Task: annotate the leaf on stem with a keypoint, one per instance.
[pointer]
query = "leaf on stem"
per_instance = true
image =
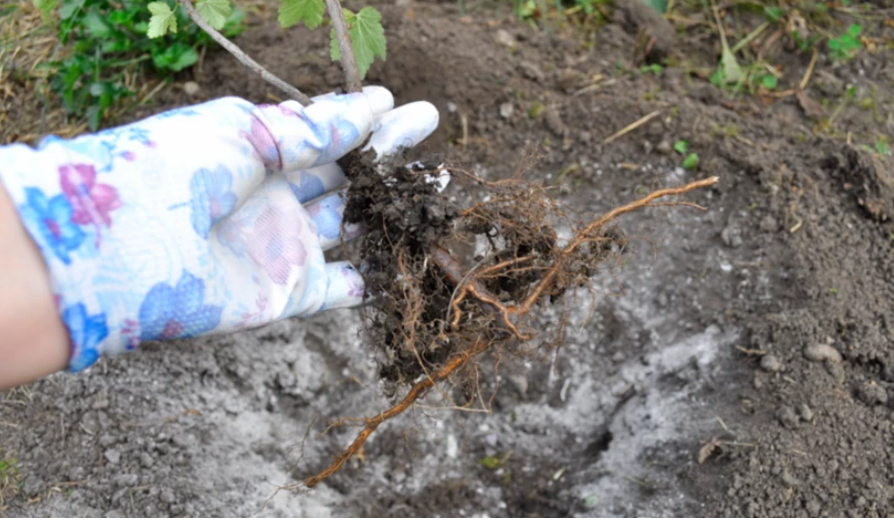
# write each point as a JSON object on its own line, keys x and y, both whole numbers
{"x": 367, "y": 38}
{"x": 308, "y": 11}
{"x": 215, "y": 12}
{"x": 162, "y": 21}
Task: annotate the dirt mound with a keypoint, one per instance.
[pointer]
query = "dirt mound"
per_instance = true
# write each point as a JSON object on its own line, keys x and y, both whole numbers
{"x": 794, "y": 252}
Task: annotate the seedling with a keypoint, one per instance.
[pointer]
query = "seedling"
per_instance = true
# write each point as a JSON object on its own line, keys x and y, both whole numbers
{"x": 846, "y": 46}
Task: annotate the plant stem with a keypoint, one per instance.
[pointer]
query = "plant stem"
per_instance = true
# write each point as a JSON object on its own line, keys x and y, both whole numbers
{"x": 246, "y": 60}
{"x": 345, "y": 47}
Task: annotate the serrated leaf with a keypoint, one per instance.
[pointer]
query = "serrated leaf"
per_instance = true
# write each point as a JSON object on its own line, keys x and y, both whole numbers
{"x": 215, "y": 12}
{"x": 162, "y": 21}
{"x": 367, "y": 38}
{"x": 308, "y": 11}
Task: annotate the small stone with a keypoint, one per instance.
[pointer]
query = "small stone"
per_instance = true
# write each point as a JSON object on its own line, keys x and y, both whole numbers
{"x": 107, "y": 440}
{"x": 585, "y": 137}
{"x": 113, "y": 456}
{"x": 821, "y": 352}
{"x": 872, "y": 394}
{"x": 806, "y": 413}
{"x": 506, "y": 110}
{"x": 771, "y": 363}
{"x": 769, "y": 224}
{"x": 554, "y": 122}
{"x": 664, "y": 147}
{"x": 505, "y": 39}
{"x": 813, "y": 507}
{"x": 531, "y": 71}
{"x": 126, "y": 480}
{"x": 167, "y": 496}
{"x": 731, "y": 236}
{"x": 521, "y": 383}
{"x": 146, "y": 460}
{"x": 835, "y": 370}
{"x": 32, "y": 486}
{"x": 788, "y": 479}
{"x": 787, "y": 417}
{"x": 655, "y": 129}
{"x": 191, "y": 88}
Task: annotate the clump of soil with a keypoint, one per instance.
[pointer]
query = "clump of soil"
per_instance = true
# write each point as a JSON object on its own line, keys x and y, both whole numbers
{"x": 427, "y": 307}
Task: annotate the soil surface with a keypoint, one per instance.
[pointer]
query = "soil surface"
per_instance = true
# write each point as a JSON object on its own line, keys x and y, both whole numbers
{"x": 739, "y": 362}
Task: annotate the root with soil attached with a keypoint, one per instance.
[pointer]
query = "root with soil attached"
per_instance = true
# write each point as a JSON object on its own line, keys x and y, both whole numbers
{"x": 432, "y": 315}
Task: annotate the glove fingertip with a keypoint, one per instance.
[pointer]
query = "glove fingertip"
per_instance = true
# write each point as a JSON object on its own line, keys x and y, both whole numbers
{"x": 380, "y": 99}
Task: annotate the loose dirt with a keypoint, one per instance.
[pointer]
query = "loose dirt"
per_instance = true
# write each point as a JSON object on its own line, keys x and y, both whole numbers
{"x": 755, "y": 336}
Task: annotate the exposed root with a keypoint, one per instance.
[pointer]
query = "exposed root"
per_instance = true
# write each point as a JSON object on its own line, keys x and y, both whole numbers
{"x": 431, "y": 317}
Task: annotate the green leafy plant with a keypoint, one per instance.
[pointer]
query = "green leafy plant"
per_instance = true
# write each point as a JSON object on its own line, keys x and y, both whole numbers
{"x": 110, "y": 40}
{"x": 364, "y": 27}
{"x": 690, "y": 162}
{"x": 845, "y": 47}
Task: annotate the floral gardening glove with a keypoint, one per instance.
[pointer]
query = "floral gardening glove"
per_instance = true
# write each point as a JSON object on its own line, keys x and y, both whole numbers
{"x": 200, "y": 220}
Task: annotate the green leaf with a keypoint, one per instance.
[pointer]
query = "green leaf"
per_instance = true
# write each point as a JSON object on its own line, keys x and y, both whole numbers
{"x": 69, "y": 8}
{"x": 690, "y": 162}
{"x": 308, "y": 11}
{"x": 854, "y": 30}
{"x": 732, "y": 72}
{"x": 162, "y": 21}
{"x": 215, "y": 12}
{"x": 681, "y": 146}
{"x": 96, "y": 26}
{"x": 769, "y": 82}
{"x": 367, "y": 38}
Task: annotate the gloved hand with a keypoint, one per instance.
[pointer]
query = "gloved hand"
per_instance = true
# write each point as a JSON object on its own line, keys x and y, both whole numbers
{"x": 200, "y": 220}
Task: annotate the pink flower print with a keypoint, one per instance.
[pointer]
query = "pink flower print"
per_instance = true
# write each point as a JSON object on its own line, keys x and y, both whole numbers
{"x": 276, "y": 244}
{"x": 92, "y": 203}
{"x": 264, "y": 144}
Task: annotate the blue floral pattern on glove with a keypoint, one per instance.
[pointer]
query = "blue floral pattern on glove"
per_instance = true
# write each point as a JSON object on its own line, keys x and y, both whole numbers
{"x": 212, "y": 198}
{"x": 86, "y": 333}
{"x": 308, "y": 188}
{"x": 177, "y": 312}
{"x": 53, "y": 218}
{"x": 187, "y": 223}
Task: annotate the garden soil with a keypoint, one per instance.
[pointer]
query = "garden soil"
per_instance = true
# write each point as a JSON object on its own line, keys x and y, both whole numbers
{"x": 740, "y": 361}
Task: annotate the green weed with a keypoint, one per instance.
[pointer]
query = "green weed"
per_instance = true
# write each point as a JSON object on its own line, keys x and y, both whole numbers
{"x": 845, "y": 47}
{"x": 109, "y": 43}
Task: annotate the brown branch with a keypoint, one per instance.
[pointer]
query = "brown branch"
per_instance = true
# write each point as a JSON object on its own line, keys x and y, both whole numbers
{"x": 243, "y": 58}
{"x": 345, "y": 47}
